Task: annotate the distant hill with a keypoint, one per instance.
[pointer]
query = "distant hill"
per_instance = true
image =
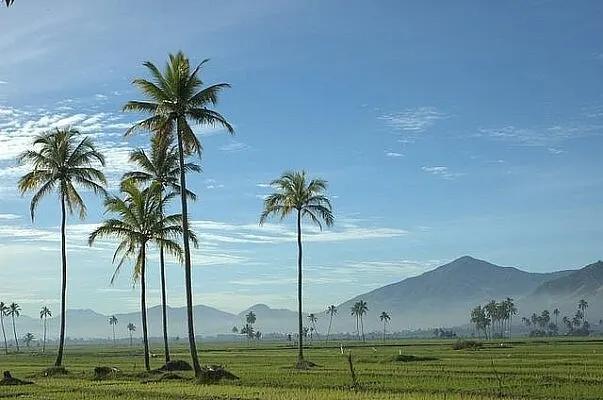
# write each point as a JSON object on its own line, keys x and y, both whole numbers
{"x": 443, "y": 296}
{"x": 565, "y": 292}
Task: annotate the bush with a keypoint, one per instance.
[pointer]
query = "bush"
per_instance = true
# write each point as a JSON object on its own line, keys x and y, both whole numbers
{"x": 467, "y": 345}
{"x": 411, "y": 358}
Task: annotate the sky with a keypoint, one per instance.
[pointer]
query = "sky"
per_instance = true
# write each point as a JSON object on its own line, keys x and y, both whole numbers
{"x": 443, "y": 128}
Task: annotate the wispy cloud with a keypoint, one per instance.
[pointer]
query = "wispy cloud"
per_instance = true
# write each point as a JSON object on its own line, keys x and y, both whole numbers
{"x": 442, "y": 171}
{"x": 234, "y": 146}
{"x": 393, "y": 154}
{"x": 410, "y": 123}
{"x": 9, "y": 217}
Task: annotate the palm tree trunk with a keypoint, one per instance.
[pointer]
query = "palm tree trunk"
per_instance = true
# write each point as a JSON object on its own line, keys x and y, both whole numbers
{"x": 113, "y": 335}
{"x": 329, "y": 330}
{"x": 300, "y": 355}
{"x": 357, "y": 327}
{"x": 143, "y": 308}
{"x": 187, "y": 255}
{"x": 59, "y": 359}
{"x": 384, "y": 331}
{"x": 15, "y": 333}
{"x": 130, "y": 338}
{"x": 44, "y": 341}
{"x": 362, "y": 327}
{"x": 4, "y": 334}
{"x": 166, "y": 348}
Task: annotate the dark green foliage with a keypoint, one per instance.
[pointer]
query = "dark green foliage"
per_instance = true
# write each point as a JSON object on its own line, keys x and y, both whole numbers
{"x": 467, "y": 345}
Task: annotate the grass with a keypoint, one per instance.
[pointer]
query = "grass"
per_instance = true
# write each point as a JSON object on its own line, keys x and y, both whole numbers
{"x": 556, "y": 369}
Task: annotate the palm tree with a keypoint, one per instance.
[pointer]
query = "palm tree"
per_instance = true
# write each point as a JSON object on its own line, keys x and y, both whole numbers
{"x": 174, "y": 98}
{"x": 248, "y": 331}
{"x": 44, "y": 314}
{"x": 361, "y": 310}
{"x": 556, "y": 312}
{"x": 582, "y": 306}
{"x": 9, "y": 2}
{"x": 313, "y": 319}
{"x": 3, "y": 313}
{"x": 162, "y": 168}
{"x": 131, "y": 329}
{"x": 28, "y": 338}
{"x": 250, "y": 318}
{"x": 113, "y": 321}
{"x": 355, "y": 312}
{"x": 139, "y": 223}
{"x": 385, "y": 318}
{"x": 61, "y": 161}
{"x": 294, "y": 193}
{"x": 14, "y": 310}
{"x": 331, "y": 311}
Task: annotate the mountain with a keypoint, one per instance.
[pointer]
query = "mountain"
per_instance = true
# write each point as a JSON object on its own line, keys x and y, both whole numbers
{"x": 444, "y": 296}
{"x": 565, "y": 292}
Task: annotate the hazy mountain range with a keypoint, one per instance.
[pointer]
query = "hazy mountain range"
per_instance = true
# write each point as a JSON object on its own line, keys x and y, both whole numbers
{"x": 441, "y": 297}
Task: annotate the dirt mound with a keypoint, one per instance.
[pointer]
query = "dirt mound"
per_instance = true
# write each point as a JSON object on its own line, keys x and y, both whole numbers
{"x": 215, "y": 373}
{"x": 168, "y": 376}
{"x": 106, "y": 372}
{"x": 305, "y": 364}
{"x": 176, "y": 365}
{"x": 8, "y": 380}
{"x": 54, "y": 371}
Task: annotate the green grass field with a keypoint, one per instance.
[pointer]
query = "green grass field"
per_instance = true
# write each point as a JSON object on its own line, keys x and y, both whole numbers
{"x": 556, "y": 369}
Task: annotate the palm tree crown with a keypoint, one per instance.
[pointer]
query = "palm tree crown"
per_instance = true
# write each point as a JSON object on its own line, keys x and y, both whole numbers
{"x": 45, "y": 312}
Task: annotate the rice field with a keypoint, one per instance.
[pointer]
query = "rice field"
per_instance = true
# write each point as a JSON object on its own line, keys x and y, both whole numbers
{"x": 550, "y": 369}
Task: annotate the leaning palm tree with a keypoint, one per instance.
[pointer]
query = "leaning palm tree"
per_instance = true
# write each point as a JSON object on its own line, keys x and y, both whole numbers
{"x": 113, "y": 322}
{"x": 44, "y": 314}
{"x": 14, "y": 310}
{"x": 161, "y": 167}
{"x": 131, "y": 329}
{"x": 306, "y": 199}
{"x": 62, "y": 161}
{"x": 138, "y": 224}
{"x": 331, "y": 311}
{"x": 385, "y": 318}
{"x": 174, "y": 98}
{"x": 4, "y": 313}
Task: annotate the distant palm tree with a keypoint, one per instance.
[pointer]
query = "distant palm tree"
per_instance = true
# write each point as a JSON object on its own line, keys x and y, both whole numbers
{"x": 62, "y": 161}
{"x": 582, "y": 306}
{"x": 113, "y": 321}
{"x": 3, "y": 313}
{"x": 331, "y": 311}
{"x": 250, "y": 318}
{"x": 131, "y": 329}
{"x": 14, "y": 310}
{"x": 139, "y": 223}
{"x": 28, "y": 338}
{"x": 556, "y": 313}
{"x": 355, "y": 312}
{"x": 313, "y": 319}
{"x": 235, "y": 330}
{"x": 362, "y": 309}
{"x": 248, "y": 331}
{"x": 44, "y": 314}
{"x": 385, "y": 318}
{"x": 162, "y": 168}
{"x": 295, "y": 194}
{"x": 176, "y": 97}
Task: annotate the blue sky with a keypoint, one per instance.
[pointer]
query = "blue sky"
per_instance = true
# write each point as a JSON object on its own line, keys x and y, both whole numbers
{"x": 443, "y": 128}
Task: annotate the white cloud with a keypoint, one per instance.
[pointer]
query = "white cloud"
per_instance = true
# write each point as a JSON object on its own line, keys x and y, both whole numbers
{"x": 442, "y": 172}
{"x": 548, "y": 137}
{"x": 234, "y": 146}
{"x": 393, "y": 154}
{"x": 9, "y": 217}
{"x": 413, "y": 121}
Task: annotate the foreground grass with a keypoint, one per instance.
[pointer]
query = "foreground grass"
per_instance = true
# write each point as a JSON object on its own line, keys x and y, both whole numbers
{"x": 518, "y": 370}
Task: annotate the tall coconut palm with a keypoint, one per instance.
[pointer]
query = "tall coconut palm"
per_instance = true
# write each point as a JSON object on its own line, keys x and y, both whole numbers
{"x": 362, "y": 309}
{"x": 62, "y": 160}
{"x": 9, "y": 2}
{"x": 355, "y": 312}
{"x": 113, "y": 322}
{"x": 14, "y": 310}
{"x": 173, "y": 98}
{"x": 161, "y": 167}
{"x": 582, "y": 306}
{"x": 4, "y": 313}
{"x": 295, "y": 193}
{"x": 331, "y": 311}
{"x": 44, "y": 314}
{"x": 385, "y": 318}
{"x": 139, "y": 223}
{"x": 131, "y": 330}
